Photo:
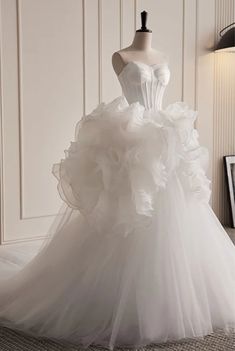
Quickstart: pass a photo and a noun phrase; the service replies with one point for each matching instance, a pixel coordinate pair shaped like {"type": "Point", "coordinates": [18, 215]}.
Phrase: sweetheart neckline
{"type": "Point", "coordinates": [142, 63]}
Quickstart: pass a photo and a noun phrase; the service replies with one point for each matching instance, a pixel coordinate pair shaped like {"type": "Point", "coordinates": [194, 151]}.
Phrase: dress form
{"type": "Point", "coordinates": [140, 50]}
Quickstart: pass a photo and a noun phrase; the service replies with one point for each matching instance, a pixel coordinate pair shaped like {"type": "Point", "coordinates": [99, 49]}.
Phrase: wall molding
{"type": "Point", "coordinates": [22, 215]}
{"type": "Point", "coordinates": [15, 228]}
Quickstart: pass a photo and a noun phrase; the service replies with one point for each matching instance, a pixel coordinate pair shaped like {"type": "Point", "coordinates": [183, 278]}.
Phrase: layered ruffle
{"type": "Point", "coordinates": [123, 156]}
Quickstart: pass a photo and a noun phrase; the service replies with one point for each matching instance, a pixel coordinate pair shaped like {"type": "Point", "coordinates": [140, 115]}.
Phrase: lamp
{"type": "Point", "coordinates": [227, 40]}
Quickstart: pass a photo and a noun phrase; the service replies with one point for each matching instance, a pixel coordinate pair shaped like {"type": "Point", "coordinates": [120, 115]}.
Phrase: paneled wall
{"type": "Point", "coordinates": [56, 66]}
{"type": "Point", "coordinates": [41, 99]}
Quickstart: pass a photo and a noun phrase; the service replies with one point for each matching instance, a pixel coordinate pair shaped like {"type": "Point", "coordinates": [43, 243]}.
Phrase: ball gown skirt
{"type": "Point", "coordinates": [137, 255]}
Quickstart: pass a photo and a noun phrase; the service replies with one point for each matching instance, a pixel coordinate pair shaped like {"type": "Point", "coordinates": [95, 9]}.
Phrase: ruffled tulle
{"type": "Point", "coordinates": [138, 256]}
{"type": "Point", "coordinates": [123, 155]}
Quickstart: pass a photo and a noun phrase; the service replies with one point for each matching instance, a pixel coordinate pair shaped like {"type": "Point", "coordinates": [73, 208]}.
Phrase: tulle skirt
{"type": "Point", "coordinates": [138, 256]}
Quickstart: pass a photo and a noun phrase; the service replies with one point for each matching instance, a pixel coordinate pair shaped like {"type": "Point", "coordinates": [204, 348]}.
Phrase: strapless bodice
{"type": "Point", "coordinates": [144, 83]}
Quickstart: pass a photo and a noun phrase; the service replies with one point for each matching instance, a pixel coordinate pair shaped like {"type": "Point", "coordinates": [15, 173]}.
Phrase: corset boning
{"type": "Point", "coordinates": [144, 83]}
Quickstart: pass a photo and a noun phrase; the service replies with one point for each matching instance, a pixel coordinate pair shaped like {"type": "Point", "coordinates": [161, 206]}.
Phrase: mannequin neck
{"type": "Point", "coordinates": [142, 41]}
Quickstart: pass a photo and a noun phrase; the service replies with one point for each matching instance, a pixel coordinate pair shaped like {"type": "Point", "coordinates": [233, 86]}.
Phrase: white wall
{"type": "Point", "coordinates": [56, 66]}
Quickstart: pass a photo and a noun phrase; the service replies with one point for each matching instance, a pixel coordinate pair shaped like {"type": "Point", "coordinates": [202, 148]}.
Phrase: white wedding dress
{"type": "Point", "coordinates": [138, 256]}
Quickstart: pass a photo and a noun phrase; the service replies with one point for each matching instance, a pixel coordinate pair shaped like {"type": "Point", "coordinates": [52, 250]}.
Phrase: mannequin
{"type": "Point", "coordinates": [140, 50]}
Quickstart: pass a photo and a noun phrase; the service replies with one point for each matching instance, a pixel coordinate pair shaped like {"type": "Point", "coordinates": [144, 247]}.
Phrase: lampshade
{"type": "Point", "coordinates": [227, 40]}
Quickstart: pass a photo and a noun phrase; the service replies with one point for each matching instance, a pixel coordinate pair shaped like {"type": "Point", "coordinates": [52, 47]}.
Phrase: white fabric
{"type": "Point", "coordinates": [138, 256]}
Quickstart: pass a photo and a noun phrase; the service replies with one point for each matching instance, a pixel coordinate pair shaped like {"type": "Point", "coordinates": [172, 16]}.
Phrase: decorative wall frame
{"type": "Point", "coordinates": [229, 164]}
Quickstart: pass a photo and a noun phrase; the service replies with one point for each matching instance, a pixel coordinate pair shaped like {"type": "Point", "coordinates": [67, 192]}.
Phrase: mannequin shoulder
{"type": "Point", "coordinates": [118, 61]}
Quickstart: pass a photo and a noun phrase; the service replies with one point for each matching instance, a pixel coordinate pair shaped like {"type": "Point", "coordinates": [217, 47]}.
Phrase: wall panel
{"type": "Point", "coordinates": [205, 29]}
{"type": "Point", "coordinates": [91, 54]}
{"type": "Point", "coordinates": [41, 66]}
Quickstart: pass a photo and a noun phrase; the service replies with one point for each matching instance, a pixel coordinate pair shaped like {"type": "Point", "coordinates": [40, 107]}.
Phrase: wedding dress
{"type": "Point", "coordinates": [138, 256]}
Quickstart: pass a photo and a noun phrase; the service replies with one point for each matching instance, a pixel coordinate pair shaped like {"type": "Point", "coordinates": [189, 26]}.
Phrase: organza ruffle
{"type": "Point", "coordinates": [123, 155]}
